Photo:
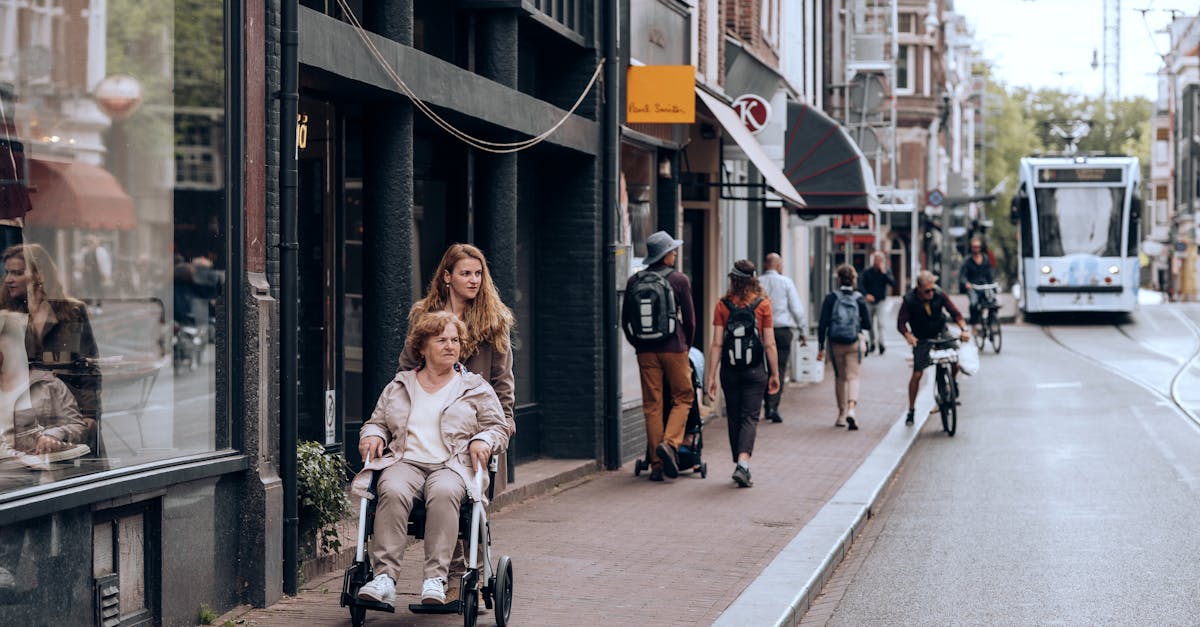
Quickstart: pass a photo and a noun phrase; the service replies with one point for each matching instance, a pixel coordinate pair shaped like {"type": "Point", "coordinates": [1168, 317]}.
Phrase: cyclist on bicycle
{"type": "Point", "coordinates": [976, 270]}
{"type": "Point", "coordinates": [922, 318]}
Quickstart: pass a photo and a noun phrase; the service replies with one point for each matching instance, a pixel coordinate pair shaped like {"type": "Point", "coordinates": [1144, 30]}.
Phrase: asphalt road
{"type": "Point", "coordinates": [1068, 496]}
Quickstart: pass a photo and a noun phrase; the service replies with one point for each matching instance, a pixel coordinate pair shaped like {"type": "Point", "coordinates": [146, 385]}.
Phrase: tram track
{"type": "Point", "coordinates": [1172, 395]}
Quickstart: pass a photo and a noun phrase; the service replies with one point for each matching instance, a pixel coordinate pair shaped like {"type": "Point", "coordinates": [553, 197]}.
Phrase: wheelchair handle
{"type": "Point", "coordinates": [362, 524]}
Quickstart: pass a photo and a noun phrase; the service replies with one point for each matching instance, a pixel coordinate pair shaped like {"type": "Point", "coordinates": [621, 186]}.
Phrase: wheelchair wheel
{"type": "Point", "coordinates": [638, 467]}
{"type": "Point", "coordinates": [358, 616]}
{"type": "Point", "coordinates": [470, 606]}
{"type": "Point", "coordinates": [703, 470]}
{"type": "Point", "coordinates": [503, 591]}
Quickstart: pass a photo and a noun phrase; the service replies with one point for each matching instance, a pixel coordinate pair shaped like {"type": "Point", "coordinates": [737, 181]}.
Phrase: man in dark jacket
{"type": "Point", "coordinates": [976, 270]}
{"type": "Point", "coordinates": [921, 317]}
{"type": "Point", "coordinates": [665, 361]}
{"type": "Point", "coordinates": [874, 283]}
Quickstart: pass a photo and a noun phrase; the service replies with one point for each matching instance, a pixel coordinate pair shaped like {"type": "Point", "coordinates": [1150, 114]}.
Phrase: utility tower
{"type": "Point", "coordinates": [1111, 59]}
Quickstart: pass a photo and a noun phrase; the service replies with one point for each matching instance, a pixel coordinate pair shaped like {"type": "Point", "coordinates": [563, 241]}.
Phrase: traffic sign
{"type": "Point", "coordinates": [934, 198]}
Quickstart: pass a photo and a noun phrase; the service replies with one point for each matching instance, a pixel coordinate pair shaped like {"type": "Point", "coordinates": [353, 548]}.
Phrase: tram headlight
{"type": "Point", "coordinates": [1114, 269]}
{"type": "Point", "coordinates": [1045, 269]}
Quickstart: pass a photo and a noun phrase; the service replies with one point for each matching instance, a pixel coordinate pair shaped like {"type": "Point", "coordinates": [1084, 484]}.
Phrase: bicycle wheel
{"type": "Point", "coordinates": [947, 400]}
{"type": "Point", "coordinates": [980, 333]}
{"type": "Point", "coordinates": [994, 331]}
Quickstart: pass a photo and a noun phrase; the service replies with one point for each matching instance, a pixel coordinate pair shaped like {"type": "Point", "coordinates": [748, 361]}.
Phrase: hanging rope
{"type": "Point", "coordinates": [475, 142]}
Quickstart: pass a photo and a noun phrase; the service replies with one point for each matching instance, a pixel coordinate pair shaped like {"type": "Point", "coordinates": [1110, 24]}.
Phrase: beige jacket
{"type": "Point", "coordinates": [495, 367]}
{"type": "Point", "coordinates": [472, 413]}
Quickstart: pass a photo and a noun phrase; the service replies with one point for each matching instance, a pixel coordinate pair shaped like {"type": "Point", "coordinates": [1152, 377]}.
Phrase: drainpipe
{"type": "Point", "coordinates": [610, 130]}
{"type": "Point", "coordinates": [288, 287]}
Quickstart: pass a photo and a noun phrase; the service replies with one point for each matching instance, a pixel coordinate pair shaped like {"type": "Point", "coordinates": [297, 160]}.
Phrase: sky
{"type": "Point", "coordinates": [1049, 43]}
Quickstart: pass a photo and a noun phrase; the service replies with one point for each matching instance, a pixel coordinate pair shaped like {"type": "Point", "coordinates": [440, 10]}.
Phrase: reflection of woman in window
{"type": "Point", "coordinates": [59, 335]}
{"type": "Point", "coordinates": [38, 413]}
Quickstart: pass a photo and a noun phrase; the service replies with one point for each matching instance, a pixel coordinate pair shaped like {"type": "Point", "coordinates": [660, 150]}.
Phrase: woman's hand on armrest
{"type": "Point", "coordinates": [370, 447]}
{"type": "Point", "coordinates": [481, 454]}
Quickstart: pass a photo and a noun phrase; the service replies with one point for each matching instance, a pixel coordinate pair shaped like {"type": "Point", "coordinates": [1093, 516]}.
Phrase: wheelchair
{"type": "Point", "coordinates": [497, 591]}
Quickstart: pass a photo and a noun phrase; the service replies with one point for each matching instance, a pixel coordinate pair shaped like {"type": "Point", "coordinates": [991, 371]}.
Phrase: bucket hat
{"type": "Point", "coordinates": [658, 245]}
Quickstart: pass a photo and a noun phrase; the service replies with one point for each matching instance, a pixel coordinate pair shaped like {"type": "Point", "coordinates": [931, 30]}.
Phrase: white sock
{"type": "Point", "coordinates": [744, 464]}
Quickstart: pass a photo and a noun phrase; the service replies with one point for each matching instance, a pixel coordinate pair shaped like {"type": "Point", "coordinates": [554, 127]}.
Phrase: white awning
{"type": "Point", "coordinates": [745, 140]}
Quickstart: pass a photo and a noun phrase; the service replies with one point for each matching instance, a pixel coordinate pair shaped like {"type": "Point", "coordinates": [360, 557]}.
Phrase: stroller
{"type": "Point", "coordinates": [497, 591]}
{"type": "Point", "coordinates": [689, 454]}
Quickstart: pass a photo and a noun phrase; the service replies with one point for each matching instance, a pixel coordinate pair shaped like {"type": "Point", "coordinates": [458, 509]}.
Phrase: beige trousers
{"type": "Point", "coordinates": [846, 360]}
{"type": "Point", "coordinates": [443, 491]}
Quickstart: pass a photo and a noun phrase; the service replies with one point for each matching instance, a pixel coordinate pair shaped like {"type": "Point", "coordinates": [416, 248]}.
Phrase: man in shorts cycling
{"type": "Point", "coordinates": [922, 316]}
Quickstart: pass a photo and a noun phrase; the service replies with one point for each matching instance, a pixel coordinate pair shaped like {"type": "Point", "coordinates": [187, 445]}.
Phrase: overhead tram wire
{"type": "Point", "coordinates": [475, 142]}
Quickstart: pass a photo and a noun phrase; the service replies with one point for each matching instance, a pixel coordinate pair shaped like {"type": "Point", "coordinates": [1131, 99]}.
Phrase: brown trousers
{"type": "Point", "coordinates": [443, 491]}
{"type": "Point", "coordinates": [846, 360]}
{"type": "Point", "coordinates": [676, 371]}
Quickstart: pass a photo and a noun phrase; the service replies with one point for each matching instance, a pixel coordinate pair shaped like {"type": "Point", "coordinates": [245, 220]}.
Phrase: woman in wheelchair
{"type": "Point", "coordinates": [432, 429]}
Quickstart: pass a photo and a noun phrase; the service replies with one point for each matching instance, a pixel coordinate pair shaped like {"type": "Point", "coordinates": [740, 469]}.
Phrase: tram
{"type": "Point", "coordinates": [1079, 233]}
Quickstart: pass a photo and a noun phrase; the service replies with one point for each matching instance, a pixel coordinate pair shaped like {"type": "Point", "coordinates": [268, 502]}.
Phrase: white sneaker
{"type": "Point", "coordinates": [433, 591]}
{"type": "Point", "coordinates": [381, 589]}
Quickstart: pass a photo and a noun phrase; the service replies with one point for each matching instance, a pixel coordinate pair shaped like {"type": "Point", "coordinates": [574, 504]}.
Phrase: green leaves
{"type": "Point", "coordinates": [321, 479]}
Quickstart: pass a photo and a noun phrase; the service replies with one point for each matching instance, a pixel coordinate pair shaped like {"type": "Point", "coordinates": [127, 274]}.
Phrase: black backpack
{"type": "Point", "coordinates": [649, 313]}
{"type": "Point", "coordinates": [742, 346]}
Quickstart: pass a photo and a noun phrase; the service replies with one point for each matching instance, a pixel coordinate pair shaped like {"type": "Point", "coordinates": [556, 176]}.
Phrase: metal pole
{"type": "Point", "coordinates": [610, 153]}
{"type": "Point", "coordinates": [289, 302]}
{"type": "Point", "coordinates": [914, 258]}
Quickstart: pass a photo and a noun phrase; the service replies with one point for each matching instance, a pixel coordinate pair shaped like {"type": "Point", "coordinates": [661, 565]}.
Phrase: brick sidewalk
{"type": "Point", "coordinates": [622, 550]}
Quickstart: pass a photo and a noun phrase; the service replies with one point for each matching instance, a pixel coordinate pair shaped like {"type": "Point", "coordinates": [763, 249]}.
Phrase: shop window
{"type": "Point", "coordinates": [638, 174]}
{"type": "Point", "coordinates": [114, 235]}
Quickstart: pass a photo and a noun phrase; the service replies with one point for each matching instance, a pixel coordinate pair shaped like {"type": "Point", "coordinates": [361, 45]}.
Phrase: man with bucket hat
{"type": "Point", "coordinates": [659, 320]}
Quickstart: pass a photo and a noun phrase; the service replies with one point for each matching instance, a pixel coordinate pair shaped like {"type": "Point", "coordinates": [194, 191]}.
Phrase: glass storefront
{"type": "Point", "coordinates": [113, 218]}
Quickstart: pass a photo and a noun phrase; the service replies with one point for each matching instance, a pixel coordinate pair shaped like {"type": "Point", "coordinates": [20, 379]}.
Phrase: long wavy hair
{"type": "Point", "coordinates": [43, 273]}
{"type": "Point", "coordinates": [487, 318]}
{"type": "Point", "coordinates": [743, 281]}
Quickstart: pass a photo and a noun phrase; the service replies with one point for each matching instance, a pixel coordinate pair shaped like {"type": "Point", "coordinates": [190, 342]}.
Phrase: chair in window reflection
{"type": "Point", "coordinates": [131, 365]}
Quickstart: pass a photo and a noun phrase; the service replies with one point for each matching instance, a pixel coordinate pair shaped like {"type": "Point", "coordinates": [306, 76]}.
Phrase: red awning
{"type": "Point", "coordinates": [77, 195]}
{"type": "Point", "coordinates": [856, 238]}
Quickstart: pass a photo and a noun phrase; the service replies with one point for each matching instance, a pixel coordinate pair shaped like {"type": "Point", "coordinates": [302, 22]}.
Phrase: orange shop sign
{"type": "Point", "coordinates": [661, 94]}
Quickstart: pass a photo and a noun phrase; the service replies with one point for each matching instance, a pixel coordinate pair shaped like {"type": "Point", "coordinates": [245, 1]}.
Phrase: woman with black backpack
{"type": "Point", "coordinates": [844, 315]}
{"type": "Point", "coordinates": [743, 352]}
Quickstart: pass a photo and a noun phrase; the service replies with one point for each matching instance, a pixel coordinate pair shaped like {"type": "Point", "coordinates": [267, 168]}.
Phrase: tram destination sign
{"type": "Point", "coordinates": [1079, 175]}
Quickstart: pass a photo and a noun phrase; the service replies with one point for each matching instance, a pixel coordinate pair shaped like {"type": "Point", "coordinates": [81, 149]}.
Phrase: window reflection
{"type": "Point", "coordinates": [112, 205]}
{"type": "Point", "coordinates": [1080, 221]}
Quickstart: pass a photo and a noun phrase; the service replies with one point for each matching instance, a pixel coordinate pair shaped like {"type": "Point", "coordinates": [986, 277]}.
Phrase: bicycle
{"type": "Point", "coordinates": [987, 328]}
{"type": "Point", "coordinates": [943, 353]}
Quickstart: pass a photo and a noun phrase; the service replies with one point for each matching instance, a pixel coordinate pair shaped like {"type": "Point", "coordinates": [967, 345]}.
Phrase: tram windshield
{"type": "Point", "coordinates": [1080, 220]}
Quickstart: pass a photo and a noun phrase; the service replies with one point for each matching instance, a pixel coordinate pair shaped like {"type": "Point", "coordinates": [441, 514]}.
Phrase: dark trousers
{"type": "Point", "coordinates": [743, 388]}
{"type": "Point", "coordinates": [783, 348]}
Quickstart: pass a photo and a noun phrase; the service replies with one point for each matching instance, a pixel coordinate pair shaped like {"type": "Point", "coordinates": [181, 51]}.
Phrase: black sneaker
{"type": "Point", "coordinates": [882, 348]}
{"type": "Point", "coordinates": [775, 417]}
{"type": "Point", "coordinates": [741, 476]}
{"type": "Point", "coordinates": [656, 474]}
{"type": "Point", "coordinates": [850, 424]}
{"type": "Point", "coordinates": [670, 463]}
{"type": "Point", "coordinates": [908, 419]}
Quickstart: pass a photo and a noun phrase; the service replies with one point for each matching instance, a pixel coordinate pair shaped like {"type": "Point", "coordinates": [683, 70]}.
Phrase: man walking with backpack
{"type": "Point", "coordinates": [786, 313]}
{"type": "Point", "coordinates": [659, 320]}
{"type": "Point", "coordinates": [844, 315]}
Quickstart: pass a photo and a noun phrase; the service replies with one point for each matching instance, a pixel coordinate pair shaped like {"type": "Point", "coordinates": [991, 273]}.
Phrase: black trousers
{"type": "Point", "coordinates": [783, 349]}
{"type": "Point", "coordinates": [743, 388]}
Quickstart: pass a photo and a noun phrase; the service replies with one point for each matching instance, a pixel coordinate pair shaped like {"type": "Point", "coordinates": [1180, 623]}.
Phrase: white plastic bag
{"type": "Point", "coordinates": [968, 356]}
{"type": "Point", "coordinates": [809, 370]}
